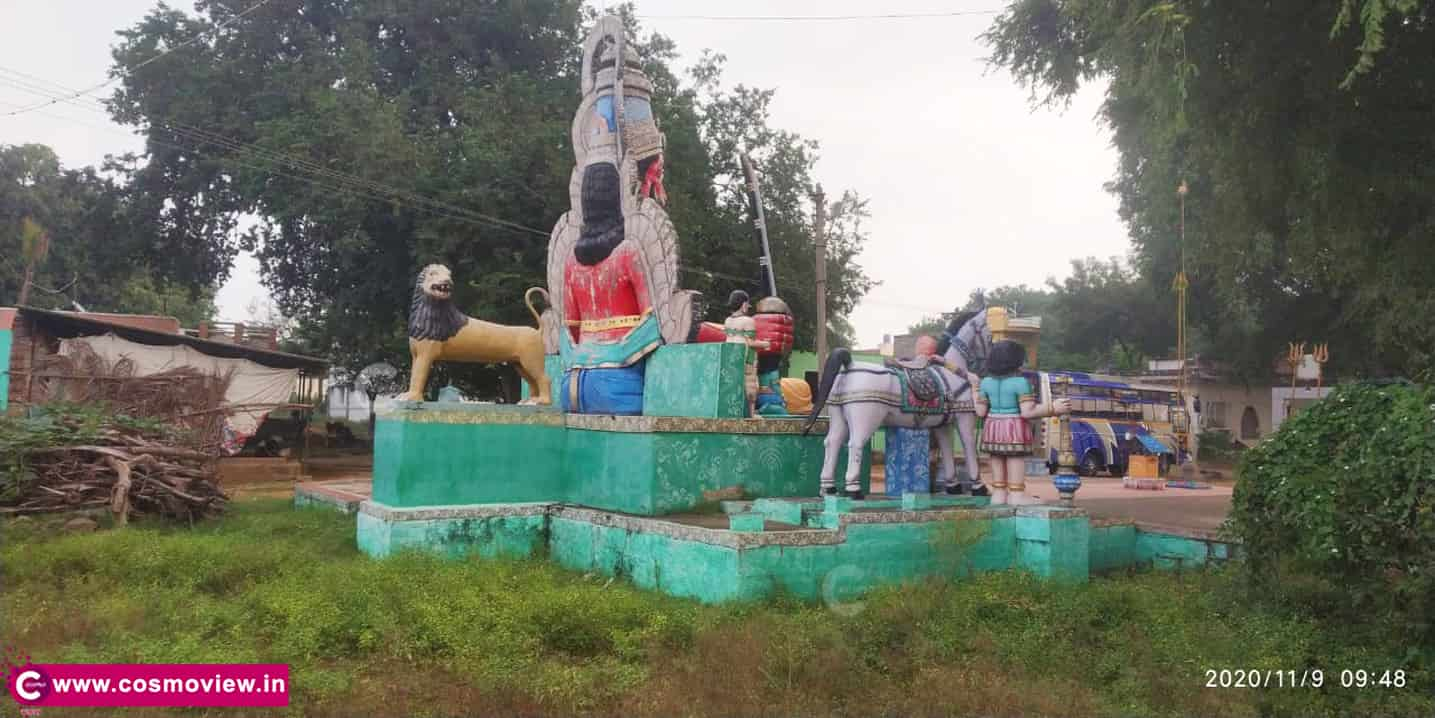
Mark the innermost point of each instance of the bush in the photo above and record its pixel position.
(1339, 503)
(1218, 446)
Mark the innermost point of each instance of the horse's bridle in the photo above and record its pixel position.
(974, 362)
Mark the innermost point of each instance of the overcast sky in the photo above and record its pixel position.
(968, 186)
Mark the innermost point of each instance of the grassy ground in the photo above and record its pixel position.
(416, 636)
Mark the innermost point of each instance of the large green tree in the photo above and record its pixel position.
(102, 254)
(1303, 129)
(455, 118)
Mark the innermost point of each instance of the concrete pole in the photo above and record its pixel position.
(819, 230)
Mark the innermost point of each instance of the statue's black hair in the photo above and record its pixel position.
(1006, 358)
(602, 214)
(736, 299)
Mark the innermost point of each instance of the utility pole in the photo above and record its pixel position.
(819, 227)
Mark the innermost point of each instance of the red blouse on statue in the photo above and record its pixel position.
(612, 290)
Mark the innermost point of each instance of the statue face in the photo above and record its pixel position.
(438, 282)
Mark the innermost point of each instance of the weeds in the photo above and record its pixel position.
(416, 635)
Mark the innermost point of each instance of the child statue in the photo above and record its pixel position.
(742, 329)
(1007, 402)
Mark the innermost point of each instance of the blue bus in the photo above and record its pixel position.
(1111, 419)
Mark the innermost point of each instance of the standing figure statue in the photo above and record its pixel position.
(613, 257)
(742, 329)
(1008, 403)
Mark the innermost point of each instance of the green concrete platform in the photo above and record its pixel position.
(829, 550)
(447, 454)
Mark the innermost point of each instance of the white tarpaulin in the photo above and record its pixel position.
(251, 383)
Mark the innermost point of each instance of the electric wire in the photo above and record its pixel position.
(198, 36)
(822, 18)
(257, 152)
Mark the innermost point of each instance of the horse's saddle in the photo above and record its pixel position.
(924, 390)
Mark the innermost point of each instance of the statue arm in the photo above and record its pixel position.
(1031, 410)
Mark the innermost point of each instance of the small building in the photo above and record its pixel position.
(1247, 411)
(37, 346)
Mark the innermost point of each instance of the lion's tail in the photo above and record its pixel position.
(528, 299)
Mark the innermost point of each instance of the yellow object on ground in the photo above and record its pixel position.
(797, 395)
(1143, 467)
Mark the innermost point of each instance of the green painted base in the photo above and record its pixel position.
(836, 553)
(801, 547)
(697, 380)
(437, 454)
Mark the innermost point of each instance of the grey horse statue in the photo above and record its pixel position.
(919, 395)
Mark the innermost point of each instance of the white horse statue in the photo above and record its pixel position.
(865, 397)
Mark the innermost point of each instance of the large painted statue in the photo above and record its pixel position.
(613, 257)
(1007, 401)
(921, 394)
(439, 331)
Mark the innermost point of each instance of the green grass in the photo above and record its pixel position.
(414, 635)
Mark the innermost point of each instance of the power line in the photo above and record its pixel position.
(126, 73)
(300, 164)
(822, 18)
(339, 188)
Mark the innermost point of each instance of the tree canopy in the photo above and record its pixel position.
(1104, 317)
(101, 253)
(1303, 128)
(370, 139)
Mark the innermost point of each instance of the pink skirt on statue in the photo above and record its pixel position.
(1006, 435)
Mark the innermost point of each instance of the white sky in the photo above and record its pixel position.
(968, 186)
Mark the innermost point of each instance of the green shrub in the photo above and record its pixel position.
(1217, 446)
(1339, 509)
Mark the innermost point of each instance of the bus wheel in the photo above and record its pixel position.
(1089, 464)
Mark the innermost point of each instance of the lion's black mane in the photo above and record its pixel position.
(433, 319)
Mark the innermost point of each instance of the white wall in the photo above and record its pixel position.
(350, 404)
(1283, 396)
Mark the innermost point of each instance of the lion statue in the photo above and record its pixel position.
(438, 331)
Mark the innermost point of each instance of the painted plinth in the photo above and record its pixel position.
(1120, 544)
(444, 454)
(690, 380)
(907, 460)
(835, 549)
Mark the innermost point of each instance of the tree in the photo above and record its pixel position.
(467, 105)
(1306, 144)
(376, 380)
(77, 239)
(141, 295)
(34, 248)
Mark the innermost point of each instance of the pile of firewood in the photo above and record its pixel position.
(184, 397)
(105, 439)
(122, 469)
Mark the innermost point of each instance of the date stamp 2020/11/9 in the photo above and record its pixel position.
(1303, 678)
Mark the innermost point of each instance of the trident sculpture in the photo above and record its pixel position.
(1321, 356)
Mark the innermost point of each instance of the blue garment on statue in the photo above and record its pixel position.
(604, 391)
